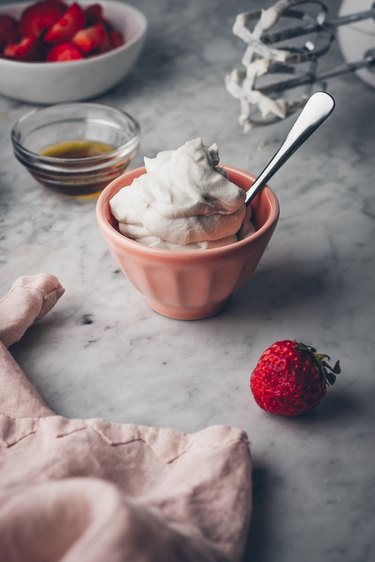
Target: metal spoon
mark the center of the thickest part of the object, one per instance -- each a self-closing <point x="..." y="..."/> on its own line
<point x="318" y="107"/>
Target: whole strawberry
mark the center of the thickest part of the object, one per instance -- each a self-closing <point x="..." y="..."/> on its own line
<point x="291" y="378"/>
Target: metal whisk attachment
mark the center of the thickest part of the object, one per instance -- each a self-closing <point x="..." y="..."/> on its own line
<point x="291" y="45"/>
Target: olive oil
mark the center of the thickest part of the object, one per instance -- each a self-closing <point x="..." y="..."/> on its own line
<point x="78" y="177"/>
<point x="77" y="149"/>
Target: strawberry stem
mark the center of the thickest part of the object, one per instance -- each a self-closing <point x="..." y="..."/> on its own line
<point x="328" y="373"/>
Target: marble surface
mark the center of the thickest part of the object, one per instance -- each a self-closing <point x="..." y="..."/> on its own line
<point x="102" y="352"/>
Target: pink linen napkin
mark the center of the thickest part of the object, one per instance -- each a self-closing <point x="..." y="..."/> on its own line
<point x="94" y="491"/>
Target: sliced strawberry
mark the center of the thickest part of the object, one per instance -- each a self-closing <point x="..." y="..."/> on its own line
<point x="92" y="39"/>
<point x="116" y="39"/>
<point x="60" y="3"/>
<point x="64" y="52"/>
<point x="29" y="49"/>
<point x="8" y="30"/>
<point x="39" y="17"/>
<point x="67" y="26"/>
<point x="108" y="25"/>
<point x="106" y="46"/>
<point x="94" y="14"/>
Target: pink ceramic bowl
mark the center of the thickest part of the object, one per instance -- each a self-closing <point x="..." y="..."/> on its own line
<point x="193" y="284"/>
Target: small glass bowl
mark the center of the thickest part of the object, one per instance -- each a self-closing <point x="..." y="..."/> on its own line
<point x="80" y="176"/>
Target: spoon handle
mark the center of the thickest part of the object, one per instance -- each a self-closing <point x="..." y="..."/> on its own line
<point x="317" y="108"/>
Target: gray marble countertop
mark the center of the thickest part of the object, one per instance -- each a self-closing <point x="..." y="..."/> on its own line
<point x="103" y="353"/>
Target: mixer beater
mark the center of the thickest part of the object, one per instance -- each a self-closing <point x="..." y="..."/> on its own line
<point x="280" y="65"/>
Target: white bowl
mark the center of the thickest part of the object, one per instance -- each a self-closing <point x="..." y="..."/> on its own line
<point x="56" y="82"/>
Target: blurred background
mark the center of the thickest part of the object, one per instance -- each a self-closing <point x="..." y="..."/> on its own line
<point x="103" y="353"/>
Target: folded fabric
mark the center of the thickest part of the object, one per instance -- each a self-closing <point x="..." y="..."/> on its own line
<point x="94" y="491"/>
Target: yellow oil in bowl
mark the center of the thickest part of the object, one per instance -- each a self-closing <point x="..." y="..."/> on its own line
<point x="77" y="149"/>
<point x="87" y="184"/>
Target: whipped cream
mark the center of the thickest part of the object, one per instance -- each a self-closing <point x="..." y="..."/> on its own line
<point x="185" y="201"/>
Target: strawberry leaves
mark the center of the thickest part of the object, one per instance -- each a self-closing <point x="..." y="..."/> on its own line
<point x="329" y="373"/>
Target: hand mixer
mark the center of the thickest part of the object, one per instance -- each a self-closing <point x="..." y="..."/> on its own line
<point x="285" y="44"/>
